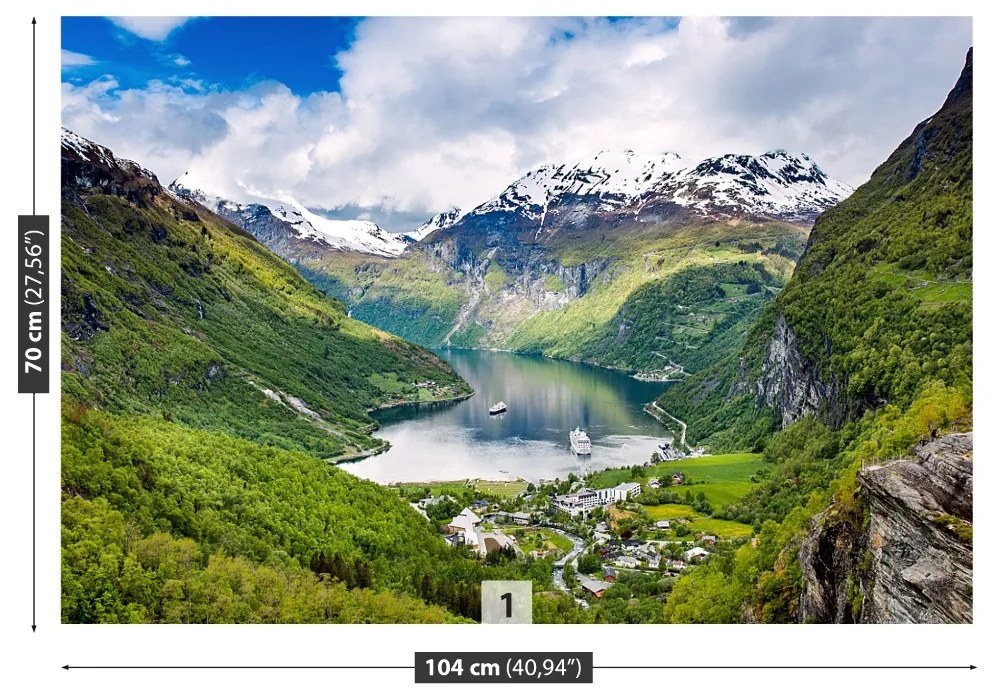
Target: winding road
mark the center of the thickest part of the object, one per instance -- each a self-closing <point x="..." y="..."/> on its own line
<point x="579" y="548"/>
<point x="681" y="423"/>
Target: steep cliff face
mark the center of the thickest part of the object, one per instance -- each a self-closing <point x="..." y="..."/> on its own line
<point x="791" y="384"/>
<point x="909" y="558"/>
<point x="529" y="274"/>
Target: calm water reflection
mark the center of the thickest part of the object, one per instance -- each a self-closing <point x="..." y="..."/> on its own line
<point x="547" y="399"/>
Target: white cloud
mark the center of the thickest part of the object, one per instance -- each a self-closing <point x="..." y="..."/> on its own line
<point x="180" y="60"/>
<point x="440" y="112"/>
<point x="71" y="59"/>
<point x="151" y="28"/>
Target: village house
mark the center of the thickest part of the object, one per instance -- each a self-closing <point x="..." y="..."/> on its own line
<point x="663" y="524"/>
<point x="465" y="529"/>
<point x="677" y="478"/>
<point x="520" y="518"/>
<point x="608" y="573"/>
<point x="465" y="524"/>
<point x="626" y="562"/>
<point x="595" y="587"/>
<point x="493" y="541"/>
<point x="432" y="501"/>
<point x="709" y="540"/>
<point x="696" y="553"/>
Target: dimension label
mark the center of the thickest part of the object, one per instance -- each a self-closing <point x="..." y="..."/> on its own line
<point x="504" y="667"/>
<point x="33" y="275"/>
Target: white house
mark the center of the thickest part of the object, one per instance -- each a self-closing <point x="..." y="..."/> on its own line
<point x="466" y="524"/>
<point x="696" y="553"/>
<point x="626" y="562"/>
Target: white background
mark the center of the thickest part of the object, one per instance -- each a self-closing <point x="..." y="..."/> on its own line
<point x="31" y="662"/>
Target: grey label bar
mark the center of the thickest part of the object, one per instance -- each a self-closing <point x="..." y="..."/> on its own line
<point x="504" y="667"/>
<point x="33" y="276"/>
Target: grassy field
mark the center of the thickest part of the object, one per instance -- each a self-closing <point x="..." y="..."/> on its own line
<point x="670" y="511"/>
<point x="700" y="524"/>
<point x="503" y="489"/>
<point x="926" y="286"/>
<point x="534" y="539"/>
<point x="724" y="478"/>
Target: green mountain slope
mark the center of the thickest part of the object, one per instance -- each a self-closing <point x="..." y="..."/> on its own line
<point x="633" y="296"/>
<point x="879" y="306"/>
<point x="866" y="355"/>
<point x="205" y="387"/>
<point x="167" y="308"/>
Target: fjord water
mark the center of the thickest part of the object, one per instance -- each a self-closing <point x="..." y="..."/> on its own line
<point x="547" y="399"/>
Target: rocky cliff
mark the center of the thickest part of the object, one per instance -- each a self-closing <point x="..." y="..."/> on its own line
<point x="908" y="555"/>
<point x="791" y="384"/>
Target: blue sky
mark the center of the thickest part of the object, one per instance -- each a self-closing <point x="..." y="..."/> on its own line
<point x="232" y="52"/>
<point x="395" y="119"/>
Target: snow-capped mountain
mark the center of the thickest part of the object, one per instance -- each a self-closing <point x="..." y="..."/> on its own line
<point x="92" y="166"/>
<point x="439" y="221"/>
<point x="272" y="220"/>
<point x="614" y="177"/>
<point x="603" y="190"/>
<point x="773" y="185"/>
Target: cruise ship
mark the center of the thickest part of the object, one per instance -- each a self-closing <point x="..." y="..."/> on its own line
<point x="498" y="408"/>
<point x="580" y="442"/>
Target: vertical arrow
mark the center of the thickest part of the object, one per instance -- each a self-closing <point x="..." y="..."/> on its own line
<point x="34" y="397"/>
<point x="34" y="115"/>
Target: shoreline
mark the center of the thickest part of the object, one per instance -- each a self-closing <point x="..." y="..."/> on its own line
<point x="416" y="402"/>
<point x="386" y="445"/>
<point x="633" y="372"/>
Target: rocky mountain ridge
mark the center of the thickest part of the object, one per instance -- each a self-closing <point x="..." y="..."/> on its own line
<point x="908" y="557"/>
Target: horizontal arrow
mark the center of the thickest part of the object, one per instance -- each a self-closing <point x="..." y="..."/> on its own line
<point x="665" y="668"/>
<point x="240" y="668"/>
<point x="798" y="668"/>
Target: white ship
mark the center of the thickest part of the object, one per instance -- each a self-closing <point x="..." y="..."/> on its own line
<point x="500" y="407"/>
<point x="580" y="442"/>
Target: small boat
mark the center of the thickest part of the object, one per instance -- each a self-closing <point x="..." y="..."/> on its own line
<point x="580" y="442"/>
<point x="498" y="408"/>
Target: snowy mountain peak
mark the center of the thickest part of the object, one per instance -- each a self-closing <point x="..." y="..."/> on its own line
<point x="303" y="224"/>
<point x="439" y="221"/>
<point x="615" y="177"/>
<point x="775" y="184"/>
<point x="85" y="150"/>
